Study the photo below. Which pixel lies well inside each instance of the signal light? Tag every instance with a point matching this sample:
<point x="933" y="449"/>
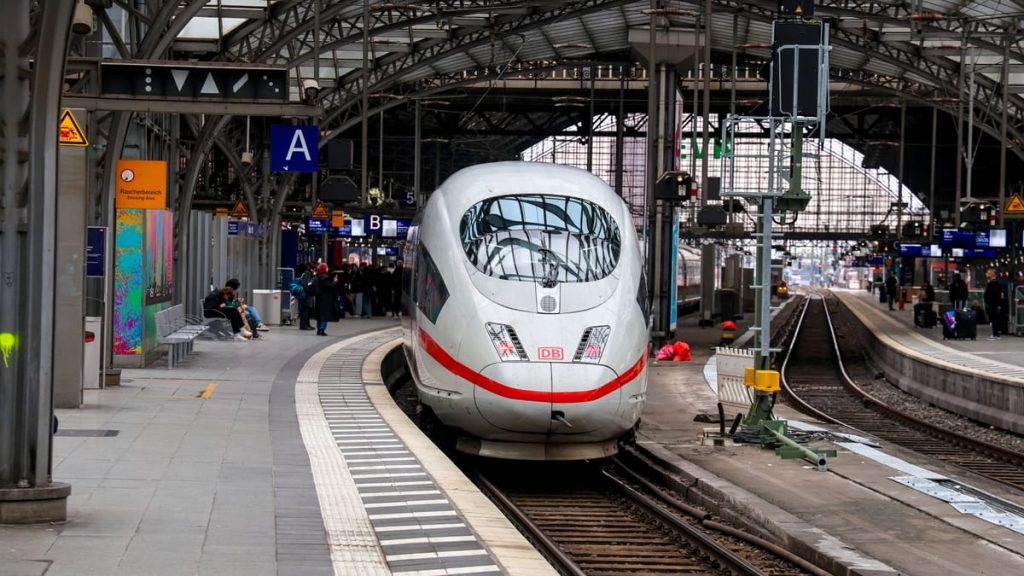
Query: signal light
<point x="506" y="342"/>
<point x="592" y="344"/>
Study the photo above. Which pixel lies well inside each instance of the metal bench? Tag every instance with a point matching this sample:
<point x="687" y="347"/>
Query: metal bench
<point x="217" y="324"/>
<point x="174" y="330"/>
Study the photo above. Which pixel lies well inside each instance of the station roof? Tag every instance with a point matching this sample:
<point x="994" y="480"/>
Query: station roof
<point x="924" y="53"/>
<point x="417" y="47"/>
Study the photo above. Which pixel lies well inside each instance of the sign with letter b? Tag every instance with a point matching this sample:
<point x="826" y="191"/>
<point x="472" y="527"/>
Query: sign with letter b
<point x="294" y="148"/>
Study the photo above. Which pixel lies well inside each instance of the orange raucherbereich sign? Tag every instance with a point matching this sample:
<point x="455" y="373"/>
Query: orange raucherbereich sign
<point x="141" y="184"/>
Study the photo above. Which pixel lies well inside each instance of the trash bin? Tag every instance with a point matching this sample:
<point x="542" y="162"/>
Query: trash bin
<point x="268" y="302"/>
<point x="91" y="359"/>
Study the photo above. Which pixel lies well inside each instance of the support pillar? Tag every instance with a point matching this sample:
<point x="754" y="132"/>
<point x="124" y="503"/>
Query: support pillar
<point x="70" y="270"/>
<point x="661" y="250"/>
<point x="27" y="259"/>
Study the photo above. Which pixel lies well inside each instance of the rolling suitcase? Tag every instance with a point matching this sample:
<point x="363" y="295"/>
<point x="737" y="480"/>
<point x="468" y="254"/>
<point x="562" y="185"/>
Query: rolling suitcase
<point x="924" y="315"/>
<point x="966" y="325"/>
<point x="949" y="325"/>
<point x="926" y="318"/>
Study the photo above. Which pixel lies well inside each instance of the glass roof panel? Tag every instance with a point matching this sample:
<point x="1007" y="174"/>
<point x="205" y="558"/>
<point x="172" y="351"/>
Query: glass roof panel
<point x="209" y="28"/>
<point x="211" y="25"/>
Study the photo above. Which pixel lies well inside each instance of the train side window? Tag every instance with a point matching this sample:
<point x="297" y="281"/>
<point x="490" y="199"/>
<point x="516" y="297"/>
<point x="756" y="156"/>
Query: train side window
<point x="642" y="297"/>
<point x="431" y="292"/>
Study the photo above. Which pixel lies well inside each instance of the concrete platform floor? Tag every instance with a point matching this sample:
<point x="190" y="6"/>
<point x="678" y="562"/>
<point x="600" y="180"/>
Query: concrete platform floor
<point x="854" y="501"/>
<point x="217" y="486"/>
<point x="1007" y="349"/>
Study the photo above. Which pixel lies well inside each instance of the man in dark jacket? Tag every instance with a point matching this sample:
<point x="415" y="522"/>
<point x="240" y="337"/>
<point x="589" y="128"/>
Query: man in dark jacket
<point x="958" y="292"/>
<point x="995" y="303"/>
<point x="892" y="289"/>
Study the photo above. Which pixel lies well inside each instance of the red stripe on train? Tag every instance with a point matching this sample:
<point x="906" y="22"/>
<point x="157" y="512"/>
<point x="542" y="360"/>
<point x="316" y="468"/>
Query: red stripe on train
<point x="493" y="386"/>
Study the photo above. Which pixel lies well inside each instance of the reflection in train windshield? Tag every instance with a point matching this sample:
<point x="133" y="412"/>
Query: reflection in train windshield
<point x="541" y="238"/>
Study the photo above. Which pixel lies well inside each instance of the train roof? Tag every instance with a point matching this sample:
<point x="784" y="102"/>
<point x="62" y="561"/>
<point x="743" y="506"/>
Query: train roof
<point x="471" y="185"/>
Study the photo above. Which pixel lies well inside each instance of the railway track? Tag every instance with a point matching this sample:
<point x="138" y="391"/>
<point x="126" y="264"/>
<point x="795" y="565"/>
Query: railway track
<point x="601" y="520"/>
<point x="823" y="389"/>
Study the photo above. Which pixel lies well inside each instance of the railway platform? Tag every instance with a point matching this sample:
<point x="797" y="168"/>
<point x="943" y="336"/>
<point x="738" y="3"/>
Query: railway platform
<point x="288" y="456"/>
<point x="981" y="379"/>
<point x="854" y="517"/>
<point x="280" y="456"/>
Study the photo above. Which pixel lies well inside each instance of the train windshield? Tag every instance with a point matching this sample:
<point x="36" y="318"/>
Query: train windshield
<point x="541" y="238"/>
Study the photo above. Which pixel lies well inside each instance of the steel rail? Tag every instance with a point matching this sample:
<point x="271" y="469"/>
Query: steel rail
<point x="552" y="550"/>
<point x="725" y="557"/>
<point x="954" y="438"/>
<point x="704" y="516"/>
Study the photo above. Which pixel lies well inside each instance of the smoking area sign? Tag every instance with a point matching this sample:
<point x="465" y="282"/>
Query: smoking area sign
<point x="141" y="184"/>
<point x="294" y="148"/>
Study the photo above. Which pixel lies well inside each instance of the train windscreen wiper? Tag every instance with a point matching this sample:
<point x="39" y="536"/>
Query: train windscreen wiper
<point x="549" y="261"/>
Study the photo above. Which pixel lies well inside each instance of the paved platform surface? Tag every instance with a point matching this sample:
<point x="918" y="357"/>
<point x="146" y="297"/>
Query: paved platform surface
<point x="854" y="510"/>
<point x="297" y="462"/>
<point x="167" y="482"/>
<point x="1003" y="357"/>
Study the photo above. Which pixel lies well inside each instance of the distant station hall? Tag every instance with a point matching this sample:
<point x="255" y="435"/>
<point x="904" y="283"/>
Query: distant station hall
<point x="523" y="287"/>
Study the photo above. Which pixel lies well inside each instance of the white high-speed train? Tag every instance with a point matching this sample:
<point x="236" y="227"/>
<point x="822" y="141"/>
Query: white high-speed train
<point x="525" y="312"/>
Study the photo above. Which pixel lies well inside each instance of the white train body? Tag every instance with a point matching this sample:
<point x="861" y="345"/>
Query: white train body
<point x="522" y="325"/>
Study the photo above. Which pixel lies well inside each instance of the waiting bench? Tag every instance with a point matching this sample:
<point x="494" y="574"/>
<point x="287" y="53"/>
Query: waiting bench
<point x="174" y="329"/>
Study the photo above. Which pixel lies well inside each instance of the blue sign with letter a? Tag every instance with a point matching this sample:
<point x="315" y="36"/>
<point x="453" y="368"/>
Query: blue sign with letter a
<point x="294" y="148"/>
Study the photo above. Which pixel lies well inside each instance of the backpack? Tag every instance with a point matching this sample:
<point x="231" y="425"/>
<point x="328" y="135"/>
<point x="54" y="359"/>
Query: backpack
<point x="297" y="290"/>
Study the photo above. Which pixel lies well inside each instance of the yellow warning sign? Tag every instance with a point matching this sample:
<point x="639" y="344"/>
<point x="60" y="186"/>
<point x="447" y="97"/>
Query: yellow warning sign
<point x="1015" y="205"/>
<point x="69" y="133"/>
<point x="337" y="218"/>
<point x="320" y="211"/>
<point x="799" y="10"/>
<point x="239" y="210"/>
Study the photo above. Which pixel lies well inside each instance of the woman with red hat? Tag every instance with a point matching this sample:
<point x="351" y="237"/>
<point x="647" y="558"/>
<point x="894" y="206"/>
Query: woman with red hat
<point x="326" y="294"/>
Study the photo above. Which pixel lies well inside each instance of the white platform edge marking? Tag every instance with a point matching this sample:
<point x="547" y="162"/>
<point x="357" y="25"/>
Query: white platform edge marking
<point x="353" y="543"/>
<point x="891" y="461"/>
<point x="508" y="546"/>
<point x="958" y="361"/>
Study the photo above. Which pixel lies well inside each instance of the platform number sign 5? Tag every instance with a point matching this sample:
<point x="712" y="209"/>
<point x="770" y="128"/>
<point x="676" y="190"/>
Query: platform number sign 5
<point x="550" y="353"/>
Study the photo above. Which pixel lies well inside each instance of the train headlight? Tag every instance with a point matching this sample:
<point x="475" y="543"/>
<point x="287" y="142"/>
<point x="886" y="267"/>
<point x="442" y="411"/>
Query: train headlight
<point x="592" y="344"/>
<point x="506" y="342"/>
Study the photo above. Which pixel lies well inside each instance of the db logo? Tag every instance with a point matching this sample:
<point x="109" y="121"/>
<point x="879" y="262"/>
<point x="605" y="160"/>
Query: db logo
<point x="550" y="353"/>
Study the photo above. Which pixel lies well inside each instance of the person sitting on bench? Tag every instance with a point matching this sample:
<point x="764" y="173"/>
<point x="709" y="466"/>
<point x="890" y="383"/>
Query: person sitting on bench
<point x="215" y="305"/>
<point x="255" y="320"/>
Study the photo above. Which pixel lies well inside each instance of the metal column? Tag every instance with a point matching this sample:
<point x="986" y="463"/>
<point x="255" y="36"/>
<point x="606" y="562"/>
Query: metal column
<point x="27" y="257"/>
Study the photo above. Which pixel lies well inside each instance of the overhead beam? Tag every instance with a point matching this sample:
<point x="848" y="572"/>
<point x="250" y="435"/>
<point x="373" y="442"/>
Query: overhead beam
<point x="190" y="107"/>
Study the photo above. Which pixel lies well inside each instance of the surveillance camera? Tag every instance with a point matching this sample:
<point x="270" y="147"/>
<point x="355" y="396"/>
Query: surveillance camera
<point x="311" y="88"/>
<point x="81" y="23"/>
<point x="247" y="158"/>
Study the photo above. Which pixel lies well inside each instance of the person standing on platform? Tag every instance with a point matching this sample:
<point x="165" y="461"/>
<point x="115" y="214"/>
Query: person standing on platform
<point x="892" y="289"/>
<point x="326" y="299"/>
<point x="927" y="292"/>
<point x="995" y="303"/>
<point x="958" y="292"/>
<point x="303" y="299"/>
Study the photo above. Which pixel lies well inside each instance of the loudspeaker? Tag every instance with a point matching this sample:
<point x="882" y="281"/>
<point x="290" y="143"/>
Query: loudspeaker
<point x="339" y="154"/>
<point x="339" y="189"/>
